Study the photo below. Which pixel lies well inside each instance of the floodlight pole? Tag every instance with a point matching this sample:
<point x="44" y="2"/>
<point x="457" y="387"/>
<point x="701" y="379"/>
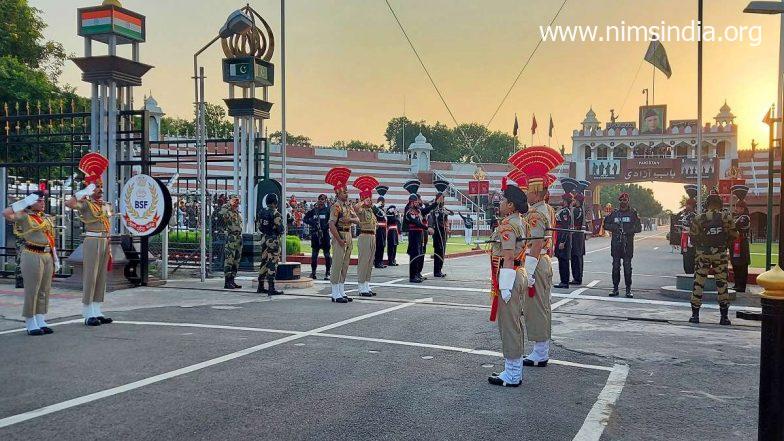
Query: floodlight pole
<point x="283" y="202"/>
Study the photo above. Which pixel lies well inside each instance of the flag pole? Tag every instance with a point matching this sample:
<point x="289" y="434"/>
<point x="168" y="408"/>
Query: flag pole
<point x="653" y="98"/>
<point x="699" y="108"/>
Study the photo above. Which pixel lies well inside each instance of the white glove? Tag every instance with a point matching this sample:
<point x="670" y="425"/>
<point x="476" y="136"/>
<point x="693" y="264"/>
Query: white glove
<point x="617" y="220"/>
<point x="506" y="280"/>
<point x="20" y="205"/>
<point x="87" y="191"/>
<point x="530" y="268"/>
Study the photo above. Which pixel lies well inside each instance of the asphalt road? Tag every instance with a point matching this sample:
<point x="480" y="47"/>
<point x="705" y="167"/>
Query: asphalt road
<point x="193" y="361"/>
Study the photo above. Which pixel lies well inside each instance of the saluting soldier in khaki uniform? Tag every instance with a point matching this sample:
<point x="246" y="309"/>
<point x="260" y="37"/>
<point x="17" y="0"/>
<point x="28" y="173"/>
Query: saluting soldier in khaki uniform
<point x="38" y="258"/>
<point x="341" y="216"/>
<point x="367" y="232"/>
<point x="510" y="283"/>
<point x="94" y="213"/>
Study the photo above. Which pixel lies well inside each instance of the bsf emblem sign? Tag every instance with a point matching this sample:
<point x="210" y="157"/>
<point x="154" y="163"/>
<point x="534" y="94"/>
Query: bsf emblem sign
<point x="145" y="205"/>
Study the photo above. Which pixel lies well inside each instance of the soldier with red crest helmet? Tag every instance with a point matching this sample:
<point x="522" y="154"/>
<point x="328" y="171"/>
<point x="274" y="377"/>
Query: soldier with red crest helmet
<point x="367" y="233"/>
<point x="95" y="214"/>
<point x="341" y="216"/>
<point x="537" y="163"/>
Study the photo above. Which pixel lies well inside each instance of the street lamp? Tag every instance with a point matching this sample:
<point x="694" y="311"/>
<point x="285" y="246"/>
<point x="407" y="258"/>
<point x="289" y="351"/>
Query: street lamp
<point x="771" y="390"/>
<point x="237" y="23"/>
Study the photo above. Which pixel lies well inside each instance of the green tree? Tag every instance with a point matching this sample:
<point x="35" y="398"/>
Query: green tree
<point x="216" y="123"/>
<point x="359" y="145"/>
<point x="641" y="199"/>
<point x="291" y="139"/>
<point x="29" y="65"/>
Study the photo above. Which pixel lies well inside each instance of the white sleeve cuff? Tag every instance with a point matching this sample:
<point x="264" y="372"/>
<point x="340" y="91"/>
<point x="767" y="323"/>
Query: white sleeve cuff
<point x="506" y="278"/>
<point x="530" y="265"/>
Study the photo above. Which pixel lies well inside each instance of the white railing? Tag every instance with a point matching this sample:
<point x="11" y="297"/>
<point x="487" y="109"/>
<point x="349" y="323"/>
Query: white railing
<point x="466" y="201"/>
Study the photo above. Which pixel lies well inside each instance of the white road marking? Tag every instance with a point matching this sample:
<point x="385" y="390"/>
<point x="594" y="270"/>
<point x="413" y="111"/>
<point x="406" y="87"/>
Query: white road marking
<point x="636" y="239"/>
<point x="571" y="296"/>
<point x="636" y="275"/>
<point x="26" y="416"/>
<point x="655" y="248"/>
<point x="67" y="322"/>
<point x="599" y="416"/>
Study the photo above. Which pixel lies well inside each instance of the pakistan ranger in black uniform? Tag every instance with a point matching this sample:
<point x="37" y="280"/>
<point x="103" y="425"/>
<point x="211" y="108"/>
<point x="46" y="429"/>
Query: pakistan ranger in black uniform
<point x="317" y="218"/>
<point x="381" y="227"/>
<point x="685" y="218"/>
<point x="623" y="223"/>
<point x="271" y="226"/>
<point x="438" y="220"/>
<point x="578" y="240"/>
<point x="740" y="255"/>
<point x="712" y="232"/>
<point x="563" y="240"/>
<point x="393" y="235"/>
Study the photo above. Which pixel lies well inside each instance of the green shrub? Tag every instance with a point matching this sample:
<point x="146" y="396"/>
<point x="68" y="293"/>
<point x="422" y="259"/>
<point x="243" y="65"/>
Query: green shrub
<point x="293" y="245"/>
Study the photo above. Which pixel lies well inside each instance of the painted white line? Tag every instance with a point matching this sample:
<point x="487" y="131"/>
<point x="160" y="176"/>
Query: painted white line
<point x="67" y="322"/>
<point x="635" y="275"/>
<point x="571" y="296"/>
<point x="599" y="415"/>
<point x="655" y="248"/>
<point x="636" y="239"/>
<point x="207" y="326"/>
<point x="454" y="349"/>
<point x="26" y="416"/>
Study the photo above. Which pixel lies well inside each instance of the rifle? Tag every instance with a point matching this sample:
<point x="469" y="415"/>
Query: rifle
<point x="519" y="239"/>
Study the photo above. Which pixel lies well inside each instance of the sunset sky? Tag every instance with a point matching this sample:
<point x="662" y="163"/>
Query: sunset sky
<point x="350" y="69"/>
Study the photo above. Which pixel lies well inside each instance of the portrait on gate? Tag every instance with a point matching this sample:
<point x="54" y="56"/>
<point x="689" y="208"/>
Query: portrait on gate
<point x="653" y="119"/>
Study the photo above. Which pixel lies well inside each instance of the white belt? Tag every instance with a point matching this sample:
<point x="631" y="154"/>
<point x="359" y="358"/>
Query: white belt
<point x="96" y="234"/>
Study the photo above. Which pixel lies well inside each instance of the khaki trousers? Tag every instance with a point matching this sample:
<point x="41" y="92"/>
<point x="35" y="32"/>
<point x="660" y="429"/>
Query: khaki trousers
<point x="538" y="315"/>
<point x="367" y="252"/>
<point x="37" y="272"/>
<point x="341" y="257"/>
<point x="510" y="319"/>
<point x="96" y="257"/>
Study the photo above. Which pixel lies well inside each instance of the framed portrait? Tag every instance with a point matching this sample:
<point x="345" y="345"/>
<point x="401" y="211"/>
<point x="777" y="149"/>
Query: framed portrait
<point x="653" y="119"/>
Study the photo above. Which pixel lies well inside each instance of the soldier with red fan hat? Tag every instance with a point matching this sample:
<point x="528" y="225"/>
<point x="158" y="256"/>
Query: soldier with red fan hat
<point x="367" y="233"/>
<point x="38" y="258"/>
<point x="341" y="216"/>
<point x="536" y="163"/>
<point x="96" y="216"/>
<point x="509" y="279"/>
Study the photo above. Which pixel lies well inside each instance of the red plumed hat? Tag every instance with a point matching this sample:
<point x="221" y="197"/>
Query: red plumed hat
<point x="365" y="184"/>
<point x="338" y="177"/>
<point x="536" y="163"/>
<point x="93" y="165"/>
<point x="515" y="177"/>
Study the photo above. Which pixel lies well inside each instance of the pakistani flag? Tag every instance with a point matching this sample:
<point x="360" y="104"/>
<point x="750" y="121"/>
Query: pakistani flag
<point x="657" y="56"/>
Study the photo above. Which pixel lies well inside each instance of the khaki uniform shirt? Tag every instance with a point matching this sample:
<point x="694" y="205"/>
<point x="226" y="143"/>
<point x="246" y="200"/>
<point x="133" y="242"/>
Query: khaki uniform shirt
<point x="340" y="214"/>
<point x="538" y="221"/>
<point x="367" y="220"/>
<point x="95" y="215"/>
<point x="509" y="230"/>
<point x="32" y="231"/>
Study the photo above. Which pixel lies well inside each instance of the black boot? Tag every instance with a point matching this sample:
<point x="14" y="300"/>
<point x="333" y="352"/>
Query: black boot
<point x="614" y="292"/>
<point x="695" y="315"/>
<point x="629" y="294"/>
<point x="724" y="310"/>
<point x="227" y="283"/>
<point x="234" y="284"/>
<point x="261" y="288"/>
<point x="272" y="292"/>
<point x="313" y="275"/>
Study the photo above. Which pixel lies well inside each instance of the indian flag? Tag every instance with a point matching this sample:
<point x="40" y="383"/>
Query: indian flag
<point x="109" y="21"/>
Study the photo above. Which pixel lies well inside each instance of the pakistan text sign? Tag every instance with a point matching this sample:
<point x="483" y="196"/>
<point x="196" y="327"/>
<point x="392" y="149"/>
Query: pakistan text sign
<point x="145" y="205"/>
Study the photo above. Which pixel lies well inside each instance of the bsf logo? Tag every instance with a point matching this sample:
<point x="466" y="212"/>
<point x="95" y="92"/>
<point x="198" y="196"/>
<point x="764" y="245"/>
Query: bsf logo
<point x="714" y="231"/>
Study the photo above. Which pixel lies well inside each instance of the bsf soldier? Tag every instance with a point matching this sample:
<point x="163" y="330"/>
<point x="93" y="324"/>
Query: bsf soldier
<point x="94" y="213"/>
<point x="318" y="220"/>
<point x="38" y="258"/>
<point x="232" y="225"/>
<point x="741" y="256"/>
<point x="271" y="226"/>
<point x="341" y="217"/>
<point x="367" y="233"/>
<point x="510" y="282"/>
<point x="381" y="227"/>
<point x="393" y="235"/>
<point x="623" y="223"/>
<point x="711" y="232"/>
<point x="536" y="305"/>
<point x="563" y="242"/>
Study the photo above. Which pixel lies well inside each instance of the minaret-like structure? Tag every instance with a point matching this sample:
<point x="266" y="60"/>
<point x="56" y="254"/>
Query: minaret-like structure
<point x="113" y="78"/>
<point x="419" y="153"/>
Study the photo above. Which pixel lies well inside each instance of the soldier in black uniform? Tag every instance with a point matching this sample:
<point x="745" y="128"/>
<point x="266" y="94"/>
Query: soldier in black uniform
<point x="393" y="235"/>
<point x="623" y="223"/>
<point x="578" y="240"/>
<point x="685" y="218"/>
<point x="438" y="220"/>
<point x="318" y="220"/>
<point x="563" y="240"/>
<point x="414" y="224"/>
<point x="739" y="253"/>
<point x="381" y="227"/>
